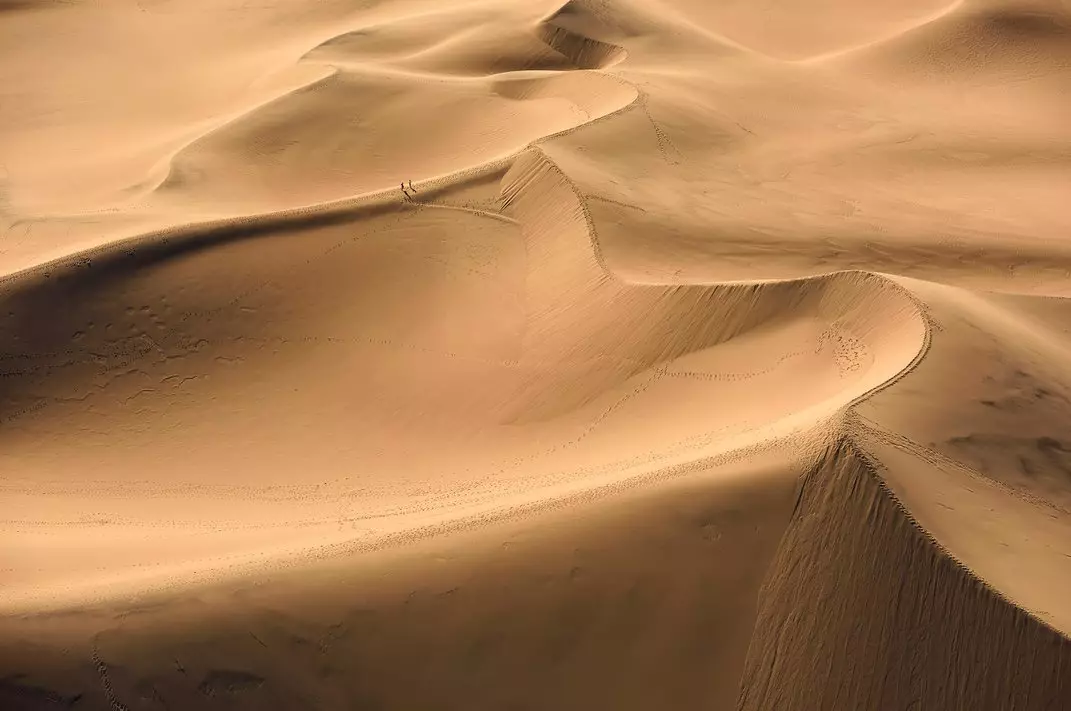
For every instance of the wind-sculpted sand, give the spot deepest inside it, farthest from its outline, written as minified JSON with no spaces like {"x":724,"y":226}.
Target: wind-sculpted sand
{"x":716,"y":356}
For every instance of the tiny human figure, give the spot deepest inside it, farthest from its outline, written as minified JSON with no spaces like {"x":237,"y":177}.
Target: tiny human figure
{"x":411,"y":186}
{"x":407,"y":197}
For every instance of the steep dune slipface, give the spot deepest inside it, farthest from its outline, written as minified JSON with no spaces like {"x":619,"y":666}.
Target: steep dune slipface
{"x":983,"y":467}
{"x":954,"y":524}
{"x":571,"y":292}
{"x":891,"y":600}
{"x":584,"y":52}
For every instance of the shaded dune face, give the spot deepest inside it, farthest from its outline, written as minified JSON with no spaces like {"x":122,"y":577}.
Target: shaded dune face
{"x":570,"y":291}
{"x":539,"y":388}
{"x":714,"y":357}
{"x":583,"y":52}
{"x":911,"y":590}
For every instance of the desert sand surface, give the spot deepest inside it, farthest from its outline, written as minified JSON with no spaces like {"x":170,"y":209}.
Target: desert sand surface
{"x":716,"y":355}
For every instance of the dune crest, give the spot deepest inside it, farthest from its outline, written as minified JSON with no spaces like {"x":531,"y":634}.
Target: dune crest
{"x":931,"y":619}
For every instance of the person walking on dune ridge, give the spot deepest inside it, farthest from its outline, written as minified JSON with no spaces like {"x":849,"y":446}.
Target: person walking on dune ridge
{"x":408,"y":197}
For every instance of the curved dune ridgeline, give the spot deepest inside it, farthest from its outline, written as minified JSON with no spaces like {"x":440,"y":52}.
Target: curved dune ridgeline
{"x":939,"y":635}
{"x":629,"y":354}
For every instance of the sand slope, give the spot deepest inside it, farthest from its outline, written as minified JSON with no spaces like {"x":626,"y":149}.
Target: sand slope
{"x":716,"y":358}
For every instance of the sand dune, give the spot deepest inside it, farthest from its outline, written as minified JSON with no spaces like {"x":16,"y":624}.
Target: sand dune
{"x":716,"y":357}
{"x":930,"y":620}
{"x":1007,"y":42}
{"x":790,"y":29}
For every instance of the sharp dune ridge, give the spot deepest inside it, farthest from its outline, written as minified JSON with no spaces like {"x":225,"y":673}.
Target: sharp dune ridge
{"x":1030,"y":663}
{"x":684,"y":373}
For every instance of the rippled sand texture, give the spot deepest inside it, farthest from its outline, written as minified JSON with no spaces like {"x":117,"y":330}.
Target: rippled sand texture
{"x":720,"y":357}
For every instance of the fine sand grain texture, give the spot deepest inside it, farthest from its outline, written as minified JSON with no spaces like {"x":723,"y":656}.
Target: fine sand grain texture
{"x":713,"y":355}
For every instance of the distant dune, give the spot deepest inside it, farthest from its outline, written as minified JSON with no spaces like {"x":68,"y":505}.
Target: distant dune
{"x":1009,"y":42}
{"x":624,"y":354}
